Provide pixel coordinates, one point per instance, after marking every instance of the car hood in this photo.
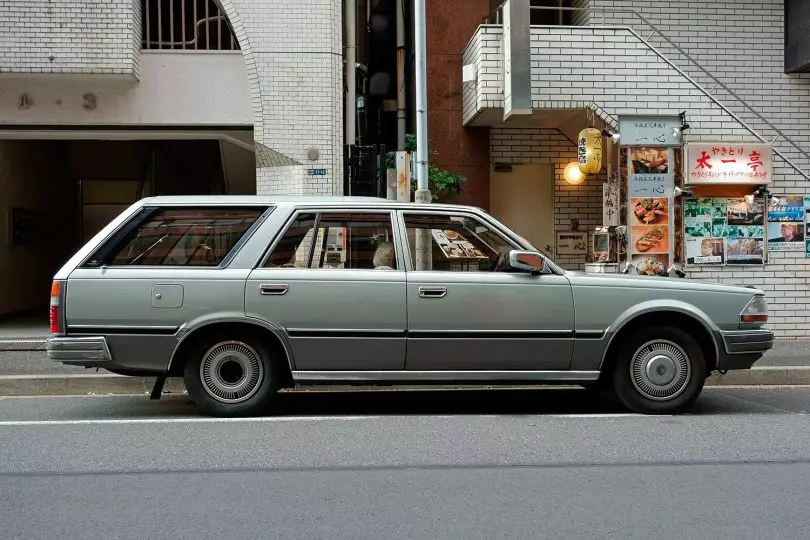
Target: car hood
(649, 282)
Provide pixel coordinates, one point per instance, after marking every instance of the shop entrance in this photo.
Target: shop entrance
(56, 194)
(522, 197)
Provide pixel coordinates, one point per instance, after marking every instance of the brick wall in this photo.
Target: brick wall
(293, 53)
(538, 146)
(100, 37)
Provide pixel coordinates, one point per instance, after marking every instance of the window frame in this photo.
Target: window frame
(318, 212)
(513, 240)
(116, 239)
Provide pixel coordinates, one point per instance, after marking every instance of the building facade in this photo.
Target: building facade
(608, 60)
(102, 102)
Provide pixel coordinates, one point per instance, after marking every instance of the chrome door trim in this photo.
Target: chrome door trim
(454, 376)
(432, 292)
(269, 289)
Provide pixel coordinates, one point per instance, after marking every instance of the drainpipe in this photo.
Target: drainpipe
(423, 239)
(400, 75)
(350, 17)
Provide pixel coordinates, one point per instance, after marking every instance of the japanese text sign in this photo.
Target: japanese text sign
(728, 163)
(650, 130)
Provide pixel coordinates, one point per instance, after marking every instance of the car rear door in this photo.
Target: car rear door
(335, 283)
(463, 314)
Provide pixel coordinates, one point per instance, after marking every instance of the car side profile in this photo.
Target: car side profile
(245, 295)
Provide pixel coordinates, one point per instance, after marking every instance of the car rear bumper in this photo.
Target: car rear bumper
(741, 348)
(78, 350)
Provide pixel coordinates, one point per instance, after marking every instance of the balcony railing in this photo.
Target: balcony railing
(186, 25)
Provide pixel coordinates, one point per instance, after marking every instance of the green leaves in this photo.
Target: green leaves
(441, 183)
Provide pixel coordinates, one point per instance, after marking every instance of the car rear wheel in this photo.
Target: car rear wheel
(230, 376)
(659, 370)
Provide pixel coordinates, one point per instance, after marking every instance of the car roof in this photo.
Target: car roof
(290, 200)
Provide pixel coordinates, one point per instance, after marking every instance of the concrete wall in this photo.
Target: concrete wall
(70, 36)
(176, 88)
(548, 146)
(33, 176)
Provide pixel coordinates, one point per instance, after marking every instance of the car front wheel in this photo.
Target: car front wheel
(659, 370)
(230, 377)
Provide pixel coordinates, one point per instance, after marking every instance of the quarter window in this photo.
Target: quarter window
(179, 237)
(457, 243)
(357, 241)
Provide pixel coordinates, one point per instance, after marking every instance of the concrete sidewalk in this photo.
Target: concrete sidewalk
(26, 370)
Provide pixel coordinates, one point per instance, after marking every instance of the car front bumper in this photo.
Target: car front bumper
(741, 348)
(78, 350)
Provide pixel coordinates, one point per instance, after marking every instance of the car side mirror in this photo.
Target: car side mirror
(526, 261)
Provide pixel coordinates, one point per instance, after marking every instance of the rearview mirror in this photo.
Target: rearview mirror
(526, 261)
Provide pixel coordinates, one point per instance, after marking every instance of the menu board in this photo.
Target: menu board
(786, 224)
(650, 185)
(455, 246)
(722, 231)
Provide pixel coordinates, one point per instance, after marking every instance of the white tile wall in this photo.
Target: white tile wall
(99, 37)
(549, 146)
(293, 52)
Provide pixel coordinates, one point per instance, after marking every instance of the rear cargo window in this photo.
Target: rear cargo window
(179, 237)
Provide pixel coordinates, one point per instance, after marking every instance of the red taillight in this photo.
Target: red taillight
(762, 318)
(54, 310)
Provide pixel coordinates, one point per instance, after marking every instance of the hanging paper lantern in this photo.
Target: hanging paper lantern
(589, 150)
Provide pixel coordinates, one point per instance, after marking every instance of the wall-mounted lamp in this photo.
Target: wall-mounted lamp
(684, 124)
(611, 135)
(678, 192)
(572, 174)
(762, 191)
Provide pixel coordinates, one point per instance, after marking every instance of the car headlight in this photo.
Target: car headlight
(756, 311)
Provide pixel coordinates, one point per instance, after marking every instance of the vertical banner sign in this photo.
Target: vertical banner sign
(786, 224)
(650, 182)
(610, 204)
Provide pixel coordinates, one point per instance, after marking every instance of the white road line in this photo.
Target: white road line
(128, 421)
(125, 421)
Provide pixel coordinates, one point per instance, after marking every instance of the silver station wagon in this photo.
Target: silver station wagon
(244, 296)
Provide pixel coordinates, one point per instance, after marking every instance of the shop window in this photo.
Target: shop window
(348, 241)
(178, 237)
(458, 243)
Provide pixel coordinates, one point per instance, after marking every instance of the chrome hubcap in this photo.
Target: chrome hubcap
(660, 370)
(231, 372)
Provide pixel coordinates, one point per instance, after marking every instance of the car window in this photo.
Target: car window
(180, 237)
(361, 241)
(458, 243)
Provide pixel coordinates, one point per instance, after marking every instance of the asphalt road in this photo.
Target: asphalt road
(552, 463)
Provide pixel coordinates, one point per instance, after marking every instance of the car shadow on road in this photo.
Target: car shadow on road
(445, 402)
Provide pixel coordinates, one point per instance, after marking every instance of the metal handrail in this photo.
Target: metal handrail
(497, 12)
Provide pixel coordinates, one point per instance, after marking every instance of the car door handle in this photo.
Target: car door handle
(268, 290)
(432, 292)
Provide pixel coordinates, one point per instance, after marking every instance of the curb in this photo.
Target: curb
(110, 383)
(83, 384)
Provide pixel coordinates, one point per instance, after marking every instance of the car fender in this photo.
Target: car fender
(232, 317)
(650, 306)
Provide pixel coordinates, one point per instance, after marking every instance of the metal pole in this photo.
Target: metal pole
(351, 66)
(424, 260)
(422, 192)
(400, 75)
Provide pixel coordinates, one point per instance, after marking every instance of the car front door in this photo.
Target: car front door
(465, 312)
(333, 281)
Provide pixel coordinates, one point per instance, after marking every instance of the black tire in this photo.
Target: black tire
(660, 370)
(231, 375)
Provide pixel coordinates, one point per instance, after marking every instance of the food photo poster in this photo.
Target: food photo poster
(650, 186)
(721, 231)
